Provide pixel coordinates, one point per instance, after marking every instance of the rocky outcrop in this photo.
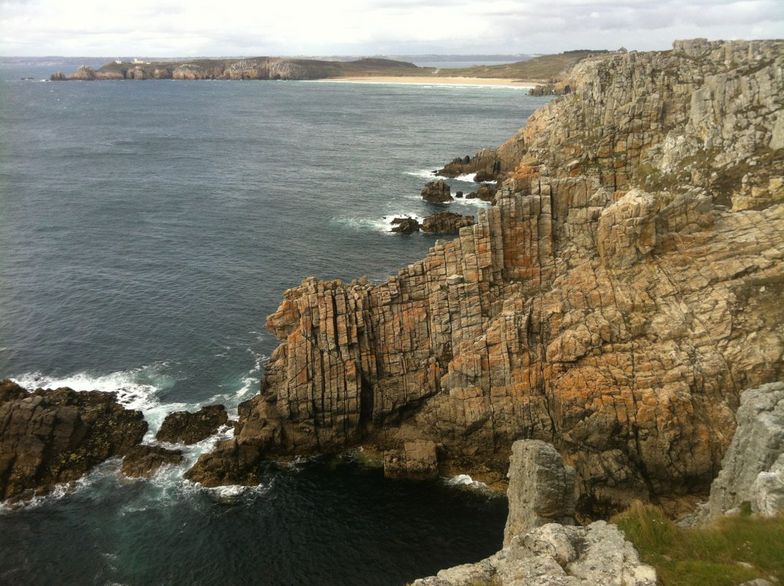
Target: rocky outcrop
(541, 488)
(143, 461)
(83, 73)
(262, 68)
(188, 428)
(446, 223)
(538, 551)
(437, 192)
(49, 437)
(614, 302)
(484, 192)
(752, 473)
(556, 554)
(405, 225)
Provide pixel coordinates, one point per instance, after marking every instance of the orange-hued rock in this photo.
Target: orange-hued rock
(624, 289)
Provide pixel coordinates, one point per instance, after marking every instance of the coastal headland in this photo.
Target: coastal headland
(615, 301)
(541, 71)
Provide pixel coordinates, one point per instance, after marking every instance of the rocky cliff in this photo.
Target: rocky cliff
(623, 289)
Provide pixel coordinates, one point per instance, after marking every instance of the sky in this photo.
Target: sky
(185, 28)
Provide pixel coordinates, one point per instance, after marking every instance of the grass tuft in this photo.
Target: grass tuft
(730, 551)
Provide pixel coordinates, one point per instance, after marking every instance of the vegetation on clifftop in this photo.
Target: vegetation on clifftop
(730, 551)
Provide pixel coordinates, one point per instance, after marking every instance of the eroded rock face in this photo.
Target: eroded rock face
(143, 461)
(555, 554)
(437, 192)
(188, 428)
(752, 471)
(623, 290)
(541, 488)
(53, 436)
(446, 223)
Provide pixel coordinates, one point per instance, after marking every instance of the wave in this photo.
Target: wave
(136, 388)
(423, 173)
(465, 481)
(383, 224)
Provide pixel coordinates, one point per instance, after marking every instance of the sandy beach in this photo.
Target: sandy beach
(426, 80)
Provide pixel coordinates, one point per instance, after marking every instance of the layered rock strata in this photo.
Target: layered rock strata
(752, 473)
(623, 290)
(49, 437)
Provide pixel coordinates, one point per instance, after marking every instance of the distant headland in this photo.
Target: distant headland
(542, 71)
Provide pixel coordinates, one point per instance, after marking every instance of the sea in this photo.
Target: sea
(146, 231)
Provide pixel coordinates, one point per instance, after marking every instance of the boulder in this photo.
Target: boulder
(230, 462)
(143, 461)
(446, 223)
(417, 460)
(752, 472)
(483, 192)
(188, 428)
(405, 225)
(541, 488)
(437, 192)
(49, 437)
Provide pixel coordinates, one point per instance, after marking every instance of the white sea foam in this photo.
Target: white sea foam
(423, 173)
(135, 388)
(466, 178)
(465, 481)
(382, 224)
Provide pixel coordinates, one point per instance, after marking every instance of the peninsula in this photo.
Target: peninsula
(543, 70)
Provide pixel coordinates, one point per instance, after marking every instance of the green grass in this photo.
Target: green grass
(730, 551)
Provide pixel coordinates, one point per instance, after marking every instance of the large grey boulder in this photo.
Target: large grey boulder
(541, 488)
(753, 468)
(538, 552)
(556, 555)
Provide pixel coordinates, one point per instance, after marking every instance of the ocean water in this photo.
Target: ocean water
(146, 230)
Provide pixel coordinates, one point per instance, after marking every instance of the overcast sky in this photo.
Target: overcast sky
(367, 27)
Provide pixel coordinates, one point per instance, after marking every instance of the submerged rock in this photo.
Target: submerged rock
(437, 192)
(188, 428)
(405, 225)
(143, 461)
(446, 223)
(752, 473)
(53, 436)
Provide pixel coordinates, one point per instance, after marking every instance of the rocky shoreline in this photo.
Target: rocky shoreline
(615, 300)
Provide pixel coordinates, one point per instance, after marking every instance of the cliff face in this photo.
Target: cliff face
(622, 291)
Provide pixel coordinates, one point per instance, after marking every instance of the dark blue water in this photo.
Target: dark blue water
(146, 230)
